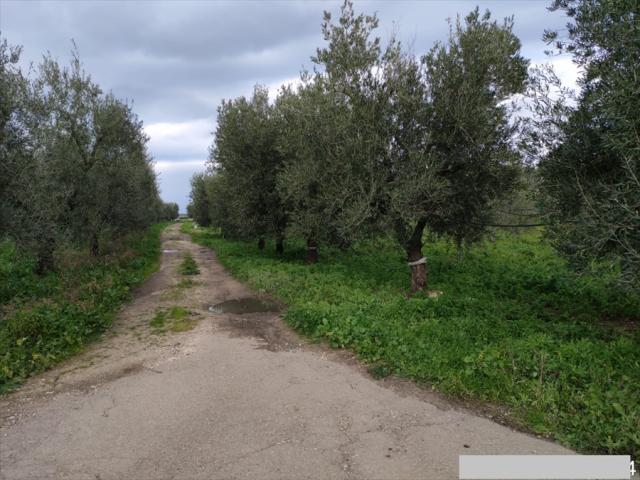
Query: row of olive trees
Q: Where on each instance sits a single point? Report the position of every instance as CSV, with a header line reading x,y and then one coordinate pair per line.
x,y
378,141
373,141
74,166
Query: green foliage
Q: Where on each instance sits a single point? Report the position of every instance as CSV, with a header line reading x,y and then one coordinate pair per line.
x,y
469,137
189,266
179,318
591,176
45,319
220,209
75,166
244,154
169,211
374,140
13,141
198,208
333,134
514,326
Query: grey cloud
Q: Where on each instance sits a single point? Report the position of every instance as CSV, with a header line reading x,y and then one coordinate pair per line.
x,y
176,60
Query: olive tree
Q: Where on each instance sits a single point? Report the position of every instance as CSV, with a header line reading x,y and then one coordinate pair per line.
x,y
245,152
78,168
119,192
331,142
169,211
590,179
14,154
198,208
93,148
451,149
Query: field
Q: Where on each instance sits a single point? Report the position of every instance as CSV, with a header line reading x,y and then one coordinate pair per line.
x,y
514,333
45,319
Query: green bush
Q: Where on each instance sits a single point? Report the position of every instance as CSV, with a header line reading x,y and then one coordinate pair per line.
x,y
513,327
43,320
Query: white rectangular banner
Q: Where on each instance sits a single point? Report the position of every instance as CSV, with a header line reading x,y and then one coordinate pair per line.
x,y
545,467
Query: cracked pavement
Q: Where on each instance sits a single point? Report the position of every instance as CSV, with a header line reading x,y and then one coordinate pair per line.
x,y
236,397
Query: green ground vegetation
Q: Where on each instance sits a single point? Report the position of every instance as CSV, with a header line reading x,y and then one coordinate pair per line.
x,y
189,266
514,327
44,319
176,319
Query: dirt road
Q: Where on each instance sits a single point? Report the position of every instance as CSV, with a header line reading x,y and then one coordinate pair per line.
x,y
238,396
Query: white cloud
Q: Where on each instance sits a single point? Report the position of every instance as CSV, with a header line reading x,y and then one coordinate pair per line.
x,y
567,71
169,166
274,87
179,139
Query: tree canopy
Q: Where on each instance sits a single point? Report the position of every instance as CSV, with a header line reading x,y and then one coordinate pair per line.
x,y
76,169
590,179
377,141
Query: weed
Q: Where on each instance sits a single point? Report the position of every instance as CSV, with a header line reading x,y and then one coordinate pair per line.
x,y
379,370
186,283
178,313
176,292
179,317
183,325
158,321
189,265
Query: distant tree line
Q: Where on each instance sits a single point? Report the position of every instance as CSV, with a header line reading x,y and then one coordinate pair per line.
x,y
377,141
74,164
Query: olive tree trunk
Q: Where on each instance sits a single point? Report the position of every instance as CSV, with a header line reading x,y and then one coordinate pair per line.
x,y
45,259
279,246
312,251
95,245
417,263
261,244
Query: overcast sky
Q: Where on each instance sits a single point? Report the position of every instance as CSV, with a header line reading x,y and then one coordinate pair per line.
x,y
176,60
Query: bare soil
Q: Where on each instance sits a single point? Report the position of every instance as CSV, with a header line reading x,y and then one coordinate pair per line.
x,y
237,396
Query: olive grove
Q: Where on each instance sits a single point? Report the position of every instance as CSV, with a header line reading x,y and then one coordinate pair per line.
x,y
75,166
377,141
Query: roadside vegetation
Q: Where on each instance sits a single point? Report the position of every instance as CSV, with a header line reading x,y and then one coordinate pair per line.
x,y
79,211
400,173
46,318
514,332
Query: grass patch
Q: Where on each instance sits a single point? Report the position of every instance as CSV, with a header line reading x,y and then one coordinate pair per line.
x,y
183,325
189,265
178,313
176,319
186,283
158,321
46,319
176,292
514,327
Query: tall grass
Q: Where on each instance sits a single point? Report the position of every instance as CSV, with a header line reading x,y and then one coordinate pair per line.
x,y
514,327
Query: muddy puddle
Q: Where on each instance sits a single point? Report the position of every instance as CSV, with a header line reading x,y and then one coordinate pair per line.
x,y
241,306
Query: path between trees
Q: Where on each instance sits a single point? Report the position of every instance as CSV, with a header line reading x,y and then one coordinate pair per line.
x,y
239,396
